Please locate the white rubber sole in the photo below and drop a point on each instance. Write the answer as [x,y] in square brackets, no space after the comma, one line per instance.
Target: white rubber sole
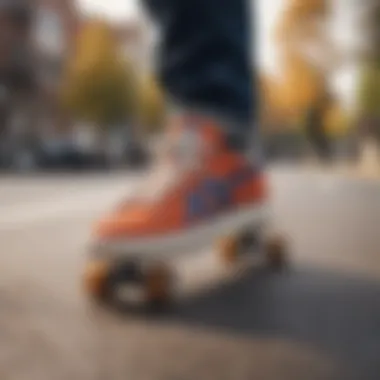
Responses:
[189,240]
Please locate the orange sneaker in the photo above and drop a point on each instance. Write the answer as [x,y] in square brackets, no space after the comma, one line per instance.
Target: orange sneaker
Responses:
[202,191]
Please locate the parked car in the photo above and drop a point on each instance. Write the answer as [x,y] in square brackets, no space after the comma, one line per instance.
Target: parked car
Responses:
[78,151]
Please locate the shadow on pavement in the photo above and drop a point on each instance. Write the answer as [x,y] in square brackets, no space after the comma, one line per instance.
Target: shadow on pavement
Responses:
[336,313]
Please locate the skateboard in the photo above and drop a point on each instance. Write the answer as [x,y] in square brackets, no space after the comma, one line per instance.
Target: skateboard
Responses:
[147,282]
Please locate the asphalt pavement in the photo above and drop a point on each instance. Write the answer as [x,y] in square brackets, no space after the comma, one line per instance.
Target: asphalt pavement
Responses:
[319,319]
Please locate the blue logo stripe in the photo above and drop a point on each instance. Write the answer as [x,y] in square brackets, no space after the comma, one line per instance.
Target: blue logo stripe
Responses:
[214,195]
[196,205]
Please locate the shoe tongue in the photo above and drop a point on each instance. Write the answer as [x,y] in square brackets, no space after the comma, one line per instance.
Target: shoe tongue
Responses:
[178,151]
[191,137]
[183,149]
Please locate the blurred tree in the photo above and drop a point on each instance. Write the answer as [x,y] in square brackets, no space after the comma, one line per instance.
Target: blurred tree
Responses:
[99,85]
[368,16]
[308,58]
[368,98]
[272,111]
[151,109]
[306,55]
[368,91]
[337,121]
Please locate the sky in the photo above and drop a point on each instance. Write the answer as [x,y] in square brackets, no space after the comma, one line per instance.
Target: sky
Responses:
[267,12]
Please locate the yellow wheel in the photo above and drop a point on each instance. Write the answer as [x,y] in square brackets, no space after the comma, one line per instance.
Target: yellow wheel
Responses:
[158,284]
[128,286]
[233,247]
[276,252]
[229,249]
[95,278]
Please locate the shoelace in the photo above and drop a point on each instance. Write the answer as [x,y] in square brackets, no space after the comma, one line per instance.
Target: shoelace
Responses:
[174,159]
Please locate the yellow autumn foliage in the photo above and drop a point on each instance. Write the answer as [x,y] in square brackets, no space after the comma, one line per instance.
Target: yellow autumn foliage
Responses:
[99,85]
[151,111]
[302,83]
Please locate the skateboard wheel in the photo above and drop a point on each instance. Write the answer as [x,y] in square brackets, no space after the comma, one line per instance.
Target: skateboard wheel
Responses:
[125,286]
[95,278]
[232,247]
[228,249]
[128,286]
[276,252]
[158,284]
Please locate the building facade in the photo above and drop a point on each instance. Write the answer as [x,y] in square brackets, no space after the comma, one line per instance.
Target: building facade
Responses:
[18,84]
[36,37]
[56,25]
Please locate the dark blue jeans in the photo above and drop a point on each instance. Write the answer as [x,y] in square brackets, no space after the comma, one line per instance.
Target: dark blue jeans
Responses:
[205,59]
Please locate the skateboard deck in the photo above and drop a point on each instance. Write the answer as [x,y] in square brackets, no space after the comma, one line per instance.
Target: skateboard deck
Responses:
[139,282]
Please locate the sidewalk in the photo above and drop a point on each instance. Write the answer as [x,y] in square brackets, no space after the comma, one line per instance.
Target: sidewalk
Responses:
[368,166]
[359,171]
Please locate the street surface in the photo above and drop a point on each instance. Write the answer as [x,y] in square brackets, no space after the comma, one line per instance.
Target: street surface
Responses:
[318,320]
